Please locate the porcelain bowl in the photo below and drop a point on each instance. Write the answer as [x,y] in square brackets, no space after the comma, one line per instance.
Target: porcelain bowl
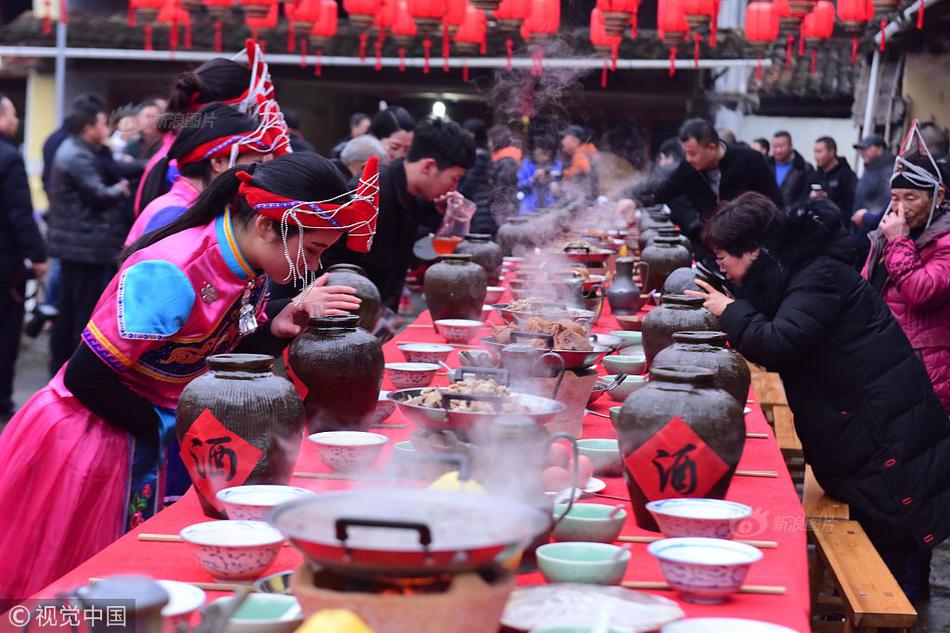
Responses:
[604,453]
[629,338]
[348,451]
[493,294]
[234,550]
[411,375]
[723,625]
[184,600]
[625,364]
[624,389]
[591,563]
[631,323]
[458,330]
[708,518]
[588,522]
[425,352]
[251,503]
[704,570]
[263,613]
[384,408]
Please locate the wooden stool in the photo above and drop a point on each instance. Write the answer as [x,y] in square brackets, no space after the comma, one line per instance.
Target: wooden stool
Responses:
[862,595]
[769,392]
[789,443]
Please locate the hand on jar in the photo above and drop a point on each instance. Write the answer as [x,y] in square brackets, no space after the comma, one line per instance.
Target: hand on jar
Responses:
[713,300]
[317,300]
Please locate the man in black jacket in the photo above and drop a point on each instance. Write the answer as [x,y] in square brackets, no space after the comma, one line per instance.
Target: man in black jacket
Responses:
[833,178]
[20,240]
[711,172]
[87,226]
[413,193]
[792,171]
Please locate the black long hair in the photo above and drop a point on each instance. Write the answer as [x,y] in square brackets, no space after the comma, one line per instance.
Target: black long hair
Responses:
[217,79]
[391,120]
[212,121]
[303,176]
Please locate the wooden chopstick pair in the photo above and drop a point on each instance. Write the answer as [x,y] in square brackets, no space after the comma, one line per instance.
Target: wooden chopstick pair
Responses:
[208,586]
[768,590]
[653,539]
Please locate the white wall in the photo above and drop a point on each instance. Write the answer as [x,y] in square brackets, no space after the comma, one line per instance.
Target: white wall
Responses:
[804,131]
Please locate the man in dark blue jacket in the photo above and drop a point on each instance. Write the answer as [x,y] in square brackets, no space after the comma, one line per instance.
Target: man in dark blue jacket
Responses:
[20,240]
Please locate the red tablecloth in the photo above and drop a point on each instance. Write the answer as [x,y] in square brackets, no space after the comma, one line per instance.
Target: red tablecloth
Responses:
[778,517]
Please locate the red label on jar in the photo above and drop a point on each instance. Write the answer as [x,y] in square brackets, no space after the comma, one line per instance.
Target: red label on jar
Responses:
[216,458]
[675,462]
[301,388]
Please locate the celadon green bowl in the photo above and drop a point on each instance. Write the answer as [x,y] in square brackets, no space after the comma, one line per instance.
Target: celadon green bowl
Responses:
[588,522]
[591,563]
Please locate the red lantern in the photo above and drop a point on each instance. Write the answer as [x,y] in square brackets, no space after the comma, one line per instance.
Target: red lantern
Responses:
[471,34]
[453,18]
[543,21]
[603,42]
[618,14]
[301,15]
[854,15]
[174,16]
[146,12]
[510,15]
[323,30]
[699,17]
[818,26]
[403,31]
[219,10]
[257,21]
[761,28]
[427,14]
[672,27]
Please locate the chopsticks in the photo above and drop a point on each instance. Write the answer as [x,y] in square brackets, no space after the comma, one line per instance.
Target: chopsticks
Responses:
[768,474]
[653,539]
[340,476]
[160,538]
[768,590]
[207,586]
[757,436]
[463,345]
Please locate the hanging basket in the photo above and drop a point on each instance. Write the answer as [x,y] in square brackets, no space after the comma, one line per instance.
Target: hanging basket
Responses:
[615,23]
[486,5]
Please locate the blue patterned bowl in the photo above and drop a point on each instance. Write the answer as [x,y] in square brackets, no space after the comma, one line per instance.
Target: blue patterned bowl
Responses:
[708,518]
[348,451]
[251,503]
[425,352]
[704,570]
[458,330]
[234,550]
[411,375]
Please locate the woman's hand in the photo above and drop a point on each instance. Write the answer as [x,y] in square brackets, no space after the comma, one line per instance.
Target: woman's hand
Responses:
[316,301]
[713,300]
[894,224]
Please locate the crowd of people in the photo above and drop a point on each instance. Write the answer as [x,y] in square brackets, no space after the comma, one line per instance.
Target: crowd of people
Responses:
[186,226]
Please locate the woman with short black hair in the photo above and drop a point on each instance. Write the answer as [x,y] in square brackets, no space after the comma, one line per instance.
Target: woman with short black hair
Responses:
[869,422]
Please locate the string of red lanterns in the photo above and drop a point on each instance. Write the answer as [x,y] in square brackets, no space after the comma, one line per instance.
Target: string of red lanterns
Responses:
[323,30]
[761,29]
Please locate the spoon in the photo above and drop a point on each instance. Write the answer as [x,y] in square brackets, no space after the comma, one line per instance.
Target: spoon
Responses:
[599,415]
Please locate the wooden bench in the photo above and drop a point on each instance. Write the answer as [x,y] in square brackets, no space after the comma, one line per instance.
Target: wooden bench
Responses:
[769,392]
[817,504]
[865,595]
[789,443]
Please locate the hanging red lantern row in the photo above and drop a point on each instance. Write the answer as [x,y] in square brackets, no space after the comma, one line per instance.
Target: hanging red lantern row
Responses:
[219,10]
[618,14]
[543,22]
[699,17]
[174,16]
[761,29]
[403,32]
[385,19]
[672,27]
[451,21]
[362,16]
[258,19]
[510,15]
[604,42]
[427,14]
[470,36]
[145,12]
[818,26]
[885,10]
[323,30]
[301,16]
[854,15]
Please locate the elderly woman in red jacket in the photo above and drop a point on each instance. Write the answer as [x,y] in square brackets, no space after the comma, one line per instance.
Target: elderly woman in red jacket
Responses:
[909,263]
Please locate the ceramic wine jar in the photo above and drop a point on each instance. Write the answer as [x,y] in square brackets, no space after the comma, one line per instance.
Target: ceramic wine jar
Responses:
[680,436]
[341,365]
[663,255]
[624,295]
[676,313]
[708,350]
[514,233]
[355,277]
[238,424]
[455,288]
[485,253]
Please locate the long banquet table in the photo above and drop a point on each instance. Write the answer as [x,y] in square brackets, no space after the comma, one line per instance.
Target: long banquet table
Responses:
[778,516]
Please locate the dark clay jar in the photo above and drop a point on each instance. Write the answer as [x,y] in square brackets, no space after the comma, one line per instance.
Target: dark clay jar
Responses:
[679,437]
[262,418]
[672,233]
[676,313]
[708,350]
[355,277]
[484,252]
[653,217]
[455,288]
[624,295]
[342,367]
[679,280]
[513,234]
[663,255]
[648,234]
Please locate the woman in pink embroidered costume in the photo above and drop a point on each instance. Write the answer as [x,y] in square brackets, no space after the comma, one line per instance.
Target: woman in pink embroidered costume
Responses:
[216,138]
[242,82]
[909,261]
[81,461]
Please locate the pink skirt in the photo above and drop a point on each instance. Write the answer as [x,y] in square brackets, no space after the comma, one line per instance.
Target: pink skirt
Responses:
[63,489]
